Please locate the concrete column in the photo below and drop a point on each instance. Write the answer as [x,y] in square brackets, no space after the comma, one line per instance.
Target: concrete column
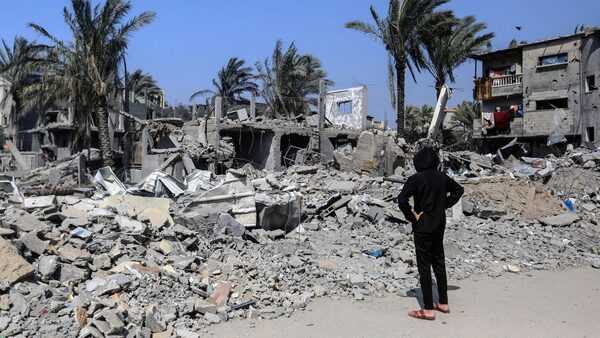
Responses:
[253,106]
[274,159]
[365,107]
[71,114]
[218,114]
[321,112]
[321,104]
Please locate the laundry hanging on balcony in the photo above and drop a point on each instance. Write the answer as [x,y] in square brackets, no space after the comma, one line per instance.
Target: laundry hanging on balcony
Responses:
[517,110]
[487,122]
[502,121]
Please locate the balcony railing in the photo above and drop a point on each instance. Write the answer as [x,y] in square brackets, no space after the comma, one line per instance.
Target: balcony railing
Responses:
[507,80]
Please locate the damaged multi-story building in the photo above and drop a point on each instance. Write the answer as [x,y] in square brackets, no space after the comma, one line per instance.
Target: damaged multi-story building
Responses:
[542,93]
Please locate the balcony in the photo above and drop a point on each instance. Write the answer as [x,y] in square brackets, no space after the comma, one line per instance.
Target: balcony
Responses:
[490,87]
[507,80]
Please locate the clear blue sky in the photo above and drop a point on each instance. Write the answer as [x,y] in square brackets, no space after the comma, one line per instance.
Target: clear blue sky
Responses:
[191,40]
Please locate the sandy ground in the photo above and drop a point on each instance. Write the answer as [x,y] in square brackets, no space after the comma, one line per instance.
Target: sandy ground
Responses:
[529,304]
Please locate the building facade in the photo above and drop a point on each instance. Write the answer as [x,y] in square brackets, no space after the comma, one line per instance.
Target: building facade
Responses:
[541,93]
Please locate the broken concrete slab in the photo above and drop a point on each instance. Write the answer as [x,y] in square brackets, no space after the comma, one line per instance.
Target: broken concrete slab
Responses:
[73,212]
[234,195]
[345,187]
[560,220]
[228,225]
[280,211]
[134,206]
[156,217]
[21,221]
[70,273]
[68,253]
[13,267]
[130,225]
[39,202]
[34,243]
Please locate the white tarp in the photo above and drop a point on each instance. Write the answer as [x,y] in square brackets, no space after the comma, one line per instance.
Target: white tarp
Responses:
[556,135]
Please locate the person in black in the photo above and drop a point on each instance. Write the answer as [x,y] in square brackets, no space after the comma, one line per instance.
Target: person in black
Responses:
[432,192]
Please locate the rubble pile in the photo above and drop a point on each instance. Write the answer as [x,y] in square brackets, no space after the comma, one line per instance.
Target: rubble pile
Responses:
[168,258]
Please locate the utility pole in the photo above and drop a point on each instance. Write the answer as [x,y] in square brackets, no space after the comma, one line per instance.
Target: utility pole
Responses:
[321,114]
[321,104]
[253,106]
[218,113]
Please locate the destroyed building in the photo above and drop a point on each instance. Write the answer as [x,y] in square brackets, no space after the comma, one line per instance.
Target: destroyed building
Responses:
[543,93]
[225,140]
[233,215]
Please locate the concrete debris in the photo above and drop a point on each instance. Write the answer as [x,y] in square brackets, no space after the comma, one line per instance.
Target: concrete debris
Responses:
[560,220]
[13,267]
[184,247]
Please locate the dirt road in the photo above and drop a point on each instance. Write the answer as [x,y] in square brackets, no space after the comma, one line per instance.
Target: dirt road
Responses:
[529,304]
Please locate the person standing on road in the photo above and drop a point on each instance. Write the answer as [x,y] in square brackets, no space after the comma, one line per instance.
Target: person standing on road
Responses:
[432,192]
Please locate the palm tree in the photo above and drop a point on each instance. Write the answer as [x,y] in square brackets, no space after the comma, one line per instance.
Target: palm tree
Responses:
[400,33]
[290,80]
[100,40]
[233,80]
[17,68]
[466,113]
[142,85]
[451,45]
[461,129]
[417,121]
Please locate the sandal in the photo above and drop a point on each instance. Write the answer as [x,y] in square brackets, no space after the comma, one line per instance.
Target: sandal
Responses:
[420,314]
[436,306]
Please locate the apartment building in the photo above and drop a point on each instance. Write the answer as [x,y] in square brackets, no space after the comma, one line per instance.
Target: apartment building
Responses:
[541,93]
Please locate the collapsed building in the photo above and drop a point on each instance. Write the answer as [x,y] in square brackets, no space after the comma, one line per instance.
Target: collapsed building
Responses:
[218,140]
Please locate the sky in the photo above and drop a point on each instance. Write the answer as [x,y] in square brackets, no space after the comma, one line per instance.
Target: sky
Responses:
[191,40]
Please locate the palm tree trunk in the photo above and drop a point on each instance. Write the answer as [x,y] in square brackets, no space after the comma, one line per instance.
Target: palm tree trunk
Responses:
[400,74]
[105,149]
[439,83]
[16,120]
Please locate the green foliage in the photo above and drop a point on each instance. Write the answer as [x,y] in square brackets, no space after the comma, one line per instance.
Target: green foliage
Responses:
[461,131]
[85,70]
[18,65]
[450,43]
[401,34]
[290,81]
[417,122]
[140,84]
[233,80]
